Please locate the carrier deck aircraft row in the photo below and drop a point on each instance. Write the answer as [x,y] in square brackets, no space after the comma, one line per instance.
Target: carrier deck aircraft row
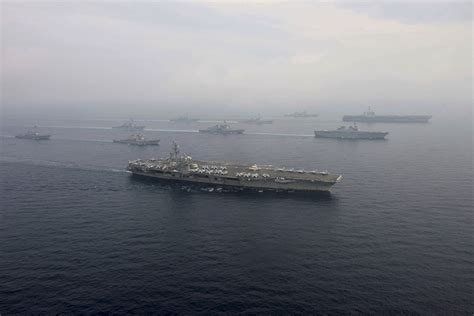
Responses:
[183,168]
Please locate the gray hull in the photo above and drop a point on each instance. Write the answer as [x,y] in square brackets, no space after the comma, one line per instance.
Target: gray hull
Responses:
[138,143]
[224,132]
[301,186]
[34,137]
[350,134]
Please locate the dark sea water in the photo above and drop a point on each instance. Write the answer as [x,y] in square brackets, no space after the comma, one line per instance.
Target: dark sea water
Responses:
[78,234]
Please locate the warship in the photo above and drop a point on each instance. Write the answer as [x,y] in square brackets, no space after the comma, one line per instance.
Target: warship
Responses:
[184,169]
[370,117]
[351,132]
[221,129]
[184,119]
[34,135]
[130,126]
[301,115]
[257,121]
[138,140]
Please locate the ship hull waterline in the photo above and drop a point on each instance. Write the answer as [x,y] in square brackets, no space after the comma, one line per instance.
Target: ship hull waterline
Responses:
[38,137]
[351,135]
[254,185]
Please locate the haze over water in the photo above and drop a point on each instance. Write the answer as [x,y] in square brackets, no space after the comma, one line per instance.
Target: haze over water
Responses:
[80,235]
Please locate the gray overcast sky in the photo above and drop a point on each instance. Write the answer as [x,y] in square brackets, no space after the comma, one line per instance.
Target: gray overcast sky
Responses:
[152,57]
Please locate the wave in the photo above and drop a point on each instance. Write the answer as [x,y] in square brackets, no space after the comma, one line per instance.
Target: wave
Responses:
[59,164]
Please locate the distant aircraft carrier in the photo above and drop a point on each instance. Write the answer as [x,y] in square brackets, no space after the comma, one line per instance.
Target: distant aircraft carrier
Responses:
[183,168]
[370,117]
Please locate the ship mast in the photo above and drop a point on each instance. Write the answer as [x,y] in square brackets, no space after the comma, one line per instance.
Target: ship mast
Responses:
[175,152]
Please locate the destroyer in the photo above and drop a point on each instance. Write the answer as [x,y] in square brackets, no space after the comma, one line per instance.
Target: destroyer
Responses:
[34,135]
[130,126]
[370,117]
[257,121]
[184,119]
[221,129]
[301,115]
[138,140]
[352,132]
[185,169]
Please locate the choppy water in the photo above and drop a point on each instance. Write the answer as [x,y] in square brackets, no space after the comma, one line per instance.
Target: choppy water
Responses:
[79,235]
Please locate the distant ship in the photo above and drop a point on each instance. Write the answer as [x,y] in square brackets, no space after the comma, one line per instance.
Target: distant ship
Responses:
[221,129]
[352,132]
[301,114]
[370,117]
[184,119]
[34,135]
[130,126]
[138,140]
[257,121]
[184,169]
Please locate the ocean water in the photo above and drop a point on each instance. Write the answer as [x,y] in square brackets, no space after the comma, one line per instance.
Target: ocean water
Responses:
[80,235]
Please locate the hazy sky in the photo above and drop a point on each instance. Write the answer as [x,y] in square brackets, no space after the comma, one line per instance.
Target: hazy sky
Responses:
[152,57]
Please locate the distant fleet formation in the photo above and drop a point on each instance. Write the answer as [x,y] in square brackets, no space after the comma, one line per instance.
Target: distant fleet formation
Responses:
[238,177]
[343,132]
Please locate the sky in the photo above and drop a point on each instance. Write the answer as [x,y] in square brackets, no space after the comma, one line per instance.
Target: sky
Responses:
[166,58]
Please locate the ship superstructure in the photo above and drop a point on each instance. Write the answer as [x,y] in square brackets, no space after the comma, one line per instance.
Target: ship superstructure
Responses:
[370,117]
[184,168]
[351,132]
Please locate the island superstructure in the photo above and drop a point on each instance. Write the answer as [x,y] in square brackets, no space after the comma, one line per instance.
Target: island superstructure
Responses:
[351,132]
[184,169]
[370,117]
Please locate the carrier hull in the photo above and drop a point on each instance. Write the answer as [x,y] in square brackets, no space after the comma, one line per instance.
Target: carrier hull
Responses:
[297,186]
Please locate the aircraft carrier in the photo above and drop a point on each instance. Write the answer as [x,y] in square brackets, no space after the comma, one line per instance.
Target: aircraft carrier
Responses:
[184,169]
[370,117]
